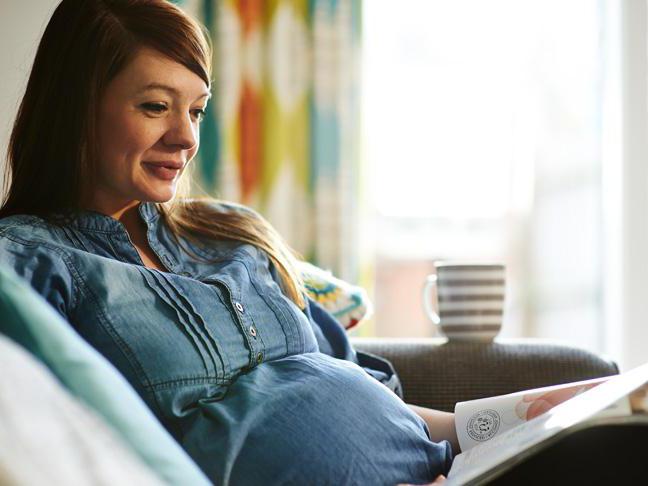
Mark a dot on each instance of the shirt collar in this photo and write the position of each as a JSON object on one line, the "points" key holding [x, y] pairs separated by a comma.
{"points": [[149, 212], [88, 220]]}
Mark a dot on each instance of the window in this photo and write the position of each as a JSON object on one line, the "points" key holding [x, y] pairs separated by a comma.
{"points": [[482, 141]]}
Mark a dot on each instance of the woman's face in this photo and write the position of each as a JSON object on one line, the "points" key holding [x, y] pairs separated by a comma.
{"points": [[148, 127]]}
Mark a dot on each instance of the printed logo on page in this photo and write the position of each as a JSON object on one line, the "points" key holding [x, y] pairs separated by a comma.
{"points": [[483, 425]]}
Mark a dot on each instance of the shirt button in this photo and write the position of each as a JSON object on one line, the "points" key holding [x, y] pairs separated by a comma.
{"points": [[259, 358], [252, 331], [239, 307]]}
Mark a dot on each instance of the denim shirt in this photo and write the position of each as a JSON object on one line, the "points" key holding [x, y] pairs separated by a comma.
{"points": [[120, 306], [211, 346]]}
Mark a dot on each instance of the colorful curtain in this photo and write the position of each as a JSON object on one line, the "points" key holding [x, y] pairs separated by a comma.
{"points": [[282, 134]]}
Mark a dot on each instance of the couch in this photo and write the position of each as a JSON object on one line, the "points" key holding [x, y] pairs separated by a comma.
{"points": [[436, 373]]}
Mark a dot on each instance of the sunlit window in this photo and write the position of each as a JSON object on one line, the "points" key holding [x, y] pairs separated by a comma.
{"points": [[482, 142]]}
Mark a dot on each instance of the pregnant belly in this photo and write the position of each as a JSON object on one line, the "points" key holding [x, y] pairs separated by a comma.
{"points": [[312, 419]]}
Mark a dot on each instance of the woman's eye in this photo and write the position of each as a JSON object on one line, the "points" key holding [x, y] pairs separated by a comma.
{"points": [[198, 114], [156, 108]]}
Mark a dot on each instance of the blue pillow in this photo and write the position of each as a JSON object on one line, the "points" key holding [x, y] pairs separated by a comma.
{"points": [[30, 321]]}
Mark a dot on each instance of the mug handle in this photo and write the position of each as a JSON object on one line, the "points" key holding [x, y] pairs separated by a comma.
{"points": [[427, 305]]}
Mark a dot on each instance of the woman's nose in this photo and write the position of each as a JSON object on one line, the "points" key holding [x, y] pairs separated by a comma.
{"points": [[182, 133]]}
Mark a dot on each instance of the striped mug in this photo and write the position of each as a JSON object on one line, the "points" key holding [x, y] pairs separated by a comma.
{"points": [[470, 299]]}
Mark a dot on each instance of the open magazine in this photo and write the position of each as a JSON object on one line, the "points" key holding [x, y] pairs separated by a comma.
{"points": [[497, 433]]}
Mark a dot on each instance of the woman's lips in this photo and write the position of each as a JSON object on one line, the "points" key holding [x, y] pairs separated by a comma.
{"points": [[163, 170]]}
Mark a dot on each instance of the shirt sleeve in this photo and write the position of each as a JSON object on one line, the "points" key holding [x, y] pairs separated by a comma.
{"points": [[43, 268], [334, 341]]}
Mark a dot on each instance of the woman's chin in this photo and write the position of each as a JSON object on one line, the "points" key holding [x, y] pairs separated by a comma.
{"points": [[160, 196]]}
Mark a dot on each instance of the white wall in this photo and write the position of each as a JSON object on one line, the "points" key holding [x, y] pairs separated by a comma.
{"points": [[21, 25]]}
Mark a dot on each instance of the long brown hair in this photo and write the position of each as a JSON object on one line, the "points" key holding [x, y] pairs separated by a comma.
{"points": [[52, 153]]}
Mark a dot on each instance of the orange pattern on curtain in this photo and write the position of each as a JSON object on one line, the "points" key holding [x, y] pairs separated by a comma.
{"points": [[251, 109]]}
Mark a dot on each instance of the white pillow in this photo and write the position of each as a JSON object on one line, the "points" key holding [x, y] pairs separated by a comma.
{"points": [[49, 437]]}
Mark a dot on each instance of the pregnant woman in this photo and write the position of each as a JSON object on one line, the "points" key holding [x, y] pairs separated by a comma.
{"points": [[197, 302]]}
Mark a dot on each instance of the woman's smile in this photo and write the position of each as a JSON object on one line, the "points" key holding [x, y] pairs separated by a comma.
{"points": [[167, 171]]}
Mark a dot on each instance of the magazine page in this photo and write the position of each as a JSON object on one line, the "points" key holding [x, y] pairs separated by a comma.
{"points": [[619, 395], [478, 421]]}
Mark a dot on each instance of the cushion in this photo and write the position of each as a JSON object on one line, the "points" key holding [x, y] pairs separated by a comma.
{"points": [[49, 437], [29, 320], [348, 303]]}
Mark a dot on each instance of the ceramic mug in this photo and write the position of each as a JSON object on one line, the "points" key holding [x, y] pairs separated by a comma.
{"points": [[470, 299]]}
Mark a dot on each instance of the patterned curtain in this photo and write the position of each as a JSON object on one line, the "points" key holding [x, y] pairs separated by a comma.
{"points": [[282, 134]]}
